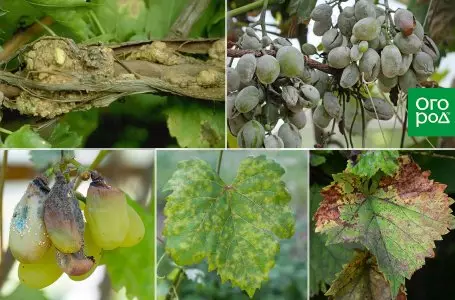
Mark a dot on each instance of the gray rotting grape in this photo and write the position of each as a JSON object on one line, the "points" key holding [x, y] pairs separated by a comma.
{"points": [[367, 44]]}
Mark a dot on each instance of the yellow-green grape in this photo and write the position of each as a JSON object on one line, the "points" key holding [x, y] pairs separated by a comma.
{"points": [[267, 69], [106, 213], [28, 239], [81, 205], [136, 230], [363, 46], [42, 273], [91, 249]]}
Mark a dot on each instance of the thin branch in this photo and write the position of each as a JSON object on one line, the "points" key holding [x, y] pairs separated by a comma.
{"points": [[189, 16], [218, 166], [403, 132], [247, 8]]}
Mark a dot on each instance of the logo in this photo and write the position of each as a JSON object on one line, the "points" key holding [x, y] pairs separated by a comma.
{"points": [[431, 112]]}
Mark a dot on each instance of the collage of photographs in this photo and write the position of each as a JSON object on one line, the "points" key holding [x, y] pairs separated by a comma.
{"points": [[227, 149]]}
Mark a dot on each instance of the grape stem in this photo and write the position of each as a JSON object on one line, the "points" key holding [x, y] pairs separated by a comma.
{"points": [[218, 166], [246, 8]]}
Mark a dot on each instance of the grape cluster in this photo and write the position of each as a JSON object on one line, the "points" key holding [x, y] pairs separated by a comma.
{"points": [[49, 237], [367, 44], [263, 90]]}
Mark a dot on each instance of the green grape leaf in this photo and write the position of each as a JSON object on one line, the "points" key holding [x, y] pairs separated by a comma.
{"points": [[43, 159], [235, 226], [25, 137], [24, 292], [301, 8], [317, 160], [359, 280], [134, 267], [325, 260], [370, 162], [398, 221], [63, 137], [196, 124]]}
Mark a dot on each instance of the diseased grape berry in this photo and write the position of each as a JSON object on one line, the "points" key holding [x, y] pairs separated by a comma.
{"points": [[390, 61], [405, 21], [251, 135], [321, 12], [423, 64], [236, 123], [378, 108], [366, 29], [28, 239], [364, 9], [346, 21], [430, 48], [350, 76], [273, 141], [233, 80], [407, 81], [331, 105], [370, 65], [247, 99], [332, 39], [339, 57], [246, 67], [407, 44], [405, 64], [320, 27], [356, 54], [290, 135], [267, 69], [291, 61], [320, 117], [298, 119]]}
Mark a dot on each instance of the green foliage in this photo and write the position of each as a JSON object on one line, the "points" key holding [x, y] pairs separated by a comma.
{"points": [[326, 260], [43, 159], [24, 292], [397, 220], [63, 137], [239, 222], [134, 267], [196, 125], [370, 162], [301, 8], [25, 137]]}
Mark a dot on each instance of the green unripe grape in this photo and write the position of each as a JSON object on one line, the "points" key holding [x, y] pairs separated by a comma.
{"points": [[309, 49], [136, 229], [291, 61], [267, 69], [247, 99], [363, 46], [42, 273]]}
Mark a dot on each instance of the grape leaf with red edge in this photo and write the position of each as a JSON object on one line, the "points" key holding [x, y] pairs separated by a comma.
{"points": [[325, 260], [398, 221], [360, 280], [236, 227], [370, 162]]}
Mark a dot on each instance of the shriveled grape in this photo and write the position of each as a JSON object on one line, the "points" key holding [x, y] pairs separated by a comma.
{"points": [[390, 61], [251, 135], [331, 105], [273, 141], [298, 119], [378, 108], [350, 76], [320, 117], [290, 135]]}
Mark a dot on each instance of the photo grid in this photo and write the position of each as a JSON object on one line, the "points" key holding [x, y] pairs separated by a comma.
{"points": [[227, 149]]}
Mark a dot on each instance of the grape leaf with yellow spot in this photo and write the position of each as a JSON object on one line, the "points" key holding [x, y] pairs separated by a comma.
{"points": [[237, 227], [360, 280], [397, 219]]}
